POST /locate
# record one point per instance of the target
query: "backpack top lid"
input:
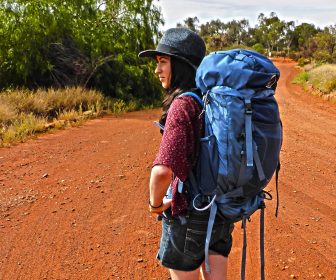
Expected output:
(237, 69)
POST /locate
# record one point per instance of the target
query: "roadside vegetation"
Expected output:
(25, 113)
(321, 80)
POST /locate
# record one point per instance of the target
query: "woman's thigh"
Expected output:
(218, 266)
(184, 275)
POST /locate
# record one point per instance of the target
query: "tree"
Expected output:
(84, 42)
(191, 23)
(289, 34)
(237, 31)
(303, 38)
(214, 27)
(270, 31)
(325, 42)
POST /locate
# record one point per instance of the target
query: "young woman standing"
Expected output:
(178, 54)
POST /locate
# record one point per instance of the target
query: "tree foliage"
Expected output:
(85, 42)
(270, 36)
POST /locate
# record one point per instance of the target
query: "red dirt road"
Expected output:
(73, 205)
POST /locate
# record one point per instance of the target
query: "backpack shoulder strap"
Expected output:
(195, 96)
(189, 93)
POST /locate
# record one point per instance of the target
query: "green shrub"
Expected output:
(259, 48)
(322, 56)
(119, 106)
(302, 61)
(301, 78)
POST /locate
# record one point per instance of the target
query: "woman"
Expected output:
(178, 54)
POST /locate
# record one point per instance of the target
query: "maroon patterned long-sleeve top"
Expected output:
(180, 144)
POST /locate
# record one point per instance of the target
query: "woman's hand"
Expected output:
(164, 206)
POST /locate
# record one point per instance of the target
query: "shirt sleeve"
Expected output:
(178, 141)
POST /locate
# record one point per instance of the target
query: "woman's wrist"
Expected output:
(155, 206)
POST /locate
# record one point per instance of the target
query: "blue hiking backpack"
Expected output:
(240, 150)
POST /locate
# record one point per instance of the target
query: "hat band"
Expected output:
(171, 50)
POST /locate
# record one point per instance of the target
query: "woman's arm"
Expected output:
(160, 179)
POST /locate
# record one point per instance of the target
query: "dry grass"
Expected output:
(50, 102)
(24, 113)
(23, 127)
(321, 80)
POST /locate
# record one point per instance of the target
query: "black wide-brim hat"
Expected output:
(181, 43)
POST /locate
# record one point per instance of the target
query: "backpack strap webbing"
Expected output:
(211, 222)
(248, 132)
(243, 262)
(277, 188)
(262, 235)
(262, 248)
(194, 95)
(242, 170)
(257, 162)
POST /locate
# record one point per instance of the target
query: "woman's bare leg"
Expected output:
(218, 267)
(184, 275)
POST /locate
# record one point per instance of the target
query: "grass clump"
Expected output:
(23, 127)
(322, 79)
(301, 78)
(7, 114)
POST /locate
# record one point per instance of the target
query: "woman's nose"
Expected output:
(157, 69)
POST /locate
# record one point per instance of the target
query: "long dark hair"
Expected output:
(182, 80)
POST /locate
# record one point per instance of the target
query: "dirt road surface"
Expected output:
(73, 204)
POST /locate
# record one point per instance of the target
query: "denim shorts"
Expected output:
(182, 246)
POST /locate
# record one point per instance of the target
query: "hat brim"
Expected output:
(154, 53)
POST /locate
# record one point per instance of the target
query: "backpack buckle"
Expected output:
(273, 80)
(248, 107)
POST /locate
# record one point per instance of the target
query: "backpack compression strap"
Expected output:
(211, 222)
(248, 132)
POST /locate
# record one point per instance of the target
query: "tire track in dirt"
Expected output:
(88, 219)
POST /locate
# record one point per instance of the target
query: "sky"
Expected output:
(321, 13)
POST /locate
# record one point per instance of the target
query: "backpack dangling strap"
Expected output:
(277, 188)
(243, 262)
(242, 169)
(159, 125)
(248, 132)
(211, 222)
(262, 235)
(257, 162)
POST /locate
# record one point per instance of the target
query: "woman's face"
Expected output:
(163, 70)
